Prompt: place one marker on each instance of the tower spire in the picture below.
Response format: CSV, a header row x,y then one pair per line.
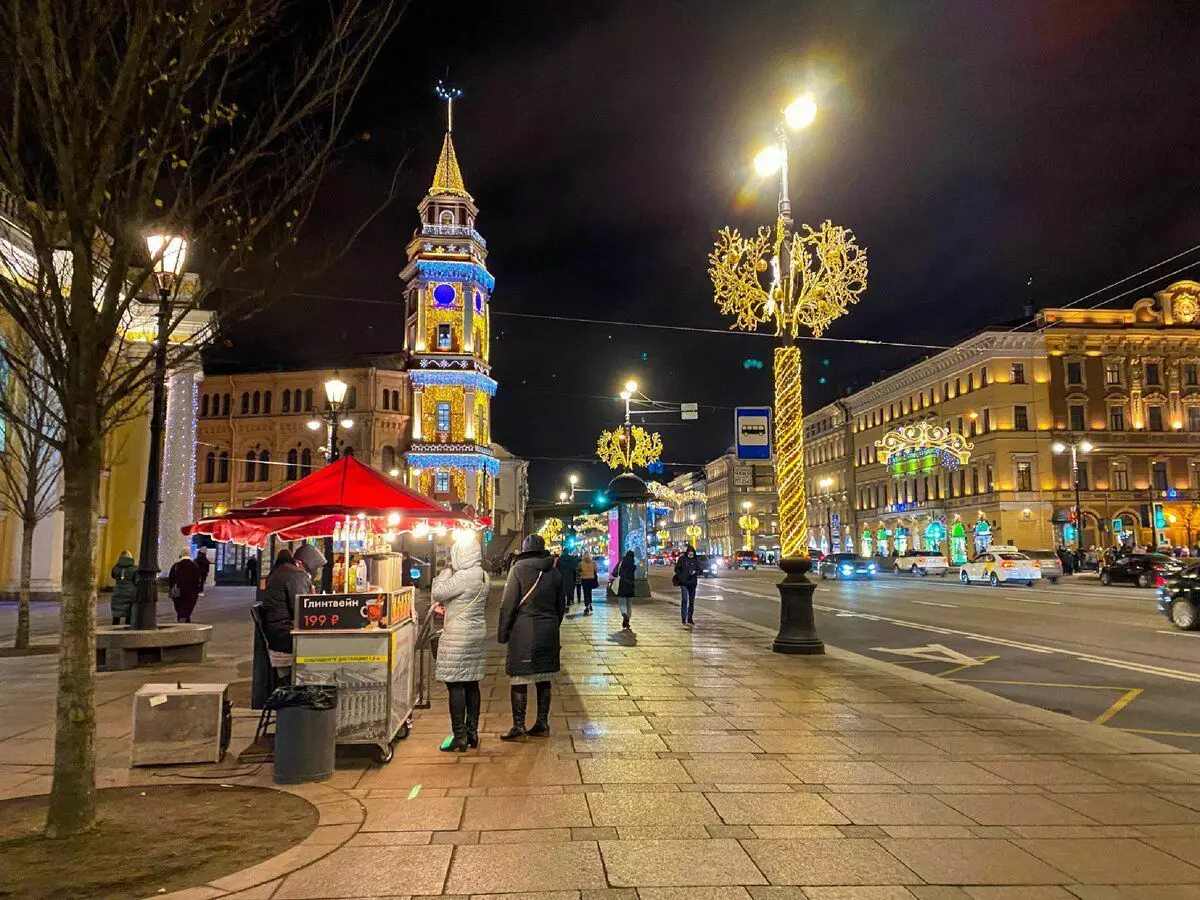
x,y
447,178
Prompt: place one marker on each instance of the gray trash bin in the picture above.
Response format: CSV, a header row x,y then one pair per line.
x,y
305,732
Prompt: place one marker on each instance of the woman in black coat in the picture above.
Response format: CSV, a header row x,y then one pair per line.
x,y
530,615
626,572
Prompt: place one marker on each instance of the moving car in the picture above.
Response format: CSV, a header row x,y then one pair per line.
x,y
743,559
1000,565
1179,598
1048,562
920,562
1142,569
708,566
845,565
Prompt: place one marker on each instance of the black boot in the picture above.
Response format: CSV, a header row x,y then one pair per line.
x,y
458,719
625,622
541,727
473,714
519,694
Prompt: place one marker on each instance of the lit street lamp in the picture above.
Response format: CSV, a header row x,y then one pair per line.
x,y
331,417
574,480
168,252
1076,449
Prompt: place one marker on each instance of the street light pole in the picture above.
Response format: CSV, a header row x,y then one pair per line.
x,y
335,395
1077,448
168,253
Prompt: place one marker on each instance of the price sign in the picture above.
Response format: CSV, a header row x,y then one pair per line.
x,y
341,612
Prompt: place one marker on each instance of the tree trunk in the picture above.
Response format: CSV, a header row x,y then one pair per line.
x,y
73,791
27,529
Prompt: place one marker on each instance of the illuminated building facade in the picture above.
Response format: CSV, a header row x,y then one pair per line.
x,y
448,291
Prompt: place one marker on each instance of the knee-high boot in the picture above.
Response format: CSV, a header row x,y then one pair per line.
x,y
473,714
542,725
519,694
458,719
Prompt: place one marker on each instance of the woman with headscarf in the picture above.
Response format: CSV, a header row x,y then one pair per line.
x,y
461,591
183,583
530,615
626,572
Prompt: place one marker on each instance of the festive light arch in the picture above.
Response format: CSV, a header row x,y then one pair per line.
x,y
919,447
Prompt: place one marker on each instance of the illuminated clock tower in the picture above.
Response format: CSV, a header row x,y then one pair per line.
x,y
448,330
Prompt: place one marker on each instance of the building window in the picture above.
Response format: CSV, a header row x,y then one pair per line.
x,y
1156,418
223,468
396,400
945,390
287,401
1191,374
970,381
387,399
1152,374
245,402
443,416
1024,476
297,403
988,479
264,466
308,398
1081,472
305,462
974,481
352,398
1020,418
1112,371
293,461
251,466
225,405
387,460
1076,414
983,377
957,386
987,421
1116,418
267,403
210,467
441,483
1193,418
257,402
204,406
1074,372
1158,476
1120,477
443,336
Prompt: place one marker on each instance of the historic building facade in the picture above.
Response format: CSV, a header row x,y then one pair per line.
x,y
1126,383
829,478
691,512
448,326
735,487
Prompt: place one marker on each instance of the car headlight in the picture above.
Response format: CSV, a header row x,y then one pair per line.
x,y
870,567
847,568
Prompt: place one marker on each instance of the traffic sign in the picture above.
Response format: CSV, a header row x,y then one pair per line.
x,y
752,432
835,522
689,411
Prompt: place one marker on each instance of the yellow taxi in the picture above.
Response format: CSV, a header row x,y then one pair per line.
x,y
999,565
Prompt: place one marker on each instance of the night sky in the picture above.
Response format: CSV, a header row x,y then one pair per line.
x,y
970,144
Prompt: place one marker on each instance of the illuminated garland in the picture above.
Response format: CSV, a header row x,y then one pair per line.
x,y
433,270
614,448
673,497
589,522
178,478
551,530
921,446
789,452
472,381
475,462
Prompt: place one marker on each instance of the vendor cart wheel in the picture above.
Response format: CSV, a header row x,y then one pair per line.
x,y
403,732
384,753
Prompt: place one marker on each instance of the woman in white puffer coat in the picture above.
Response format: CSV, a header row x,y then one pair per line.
x,y
461,591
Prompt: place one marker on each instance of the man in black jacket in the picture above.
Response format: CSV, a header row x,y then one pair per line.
x,y
285,584
687,572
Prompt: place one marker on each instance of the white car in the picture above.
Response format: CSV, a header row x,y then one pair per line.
x,y
999,565
920,562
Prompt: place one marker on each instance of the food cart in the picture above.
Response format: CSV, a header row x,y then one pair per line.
x,y
362,640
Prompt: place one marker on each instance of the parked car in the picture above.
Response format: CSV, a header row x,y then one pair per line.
x,y
1179,597
743,559
920,562
708,566
1048,562
1142,569
1000,565
846,565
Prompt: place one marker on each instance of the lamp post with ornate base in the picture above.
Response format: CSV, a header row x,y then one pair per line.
x,y
813,275
335,395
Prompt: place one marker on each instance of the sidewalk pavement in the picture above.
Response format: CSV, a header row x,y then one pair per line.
x,y
697,764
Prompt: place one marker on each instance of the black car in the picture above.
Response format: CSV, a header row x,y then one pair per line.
x,y
1142,569
706,566
846,565
1179,597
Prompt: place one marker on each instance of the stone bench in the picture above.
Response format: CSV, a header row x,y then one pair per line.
x,y
120,647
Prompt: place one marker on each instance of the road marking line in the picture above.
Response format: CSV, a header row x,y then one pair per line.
x,y
1128,697
932,653
931,603
1191,634
981,661
1046,602
1153,731
1139,667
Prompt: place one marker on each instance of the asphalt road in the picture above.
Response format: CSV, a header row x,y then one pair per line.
x,y
1101,654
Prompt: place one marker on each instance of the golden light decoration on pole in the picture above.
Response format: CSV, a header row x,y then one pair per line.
x,y
749,524
551,530
693,532
663,535
629,446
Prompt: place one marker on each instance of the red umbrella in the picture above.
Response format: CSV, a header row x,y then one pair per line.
x,y
314,506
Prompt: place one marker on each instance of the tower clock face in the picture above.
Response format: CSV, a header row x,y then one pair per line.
x,y
443,295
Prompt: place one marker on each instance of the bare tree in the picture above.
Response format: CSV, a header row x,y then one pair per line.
x,y
217,118
29,470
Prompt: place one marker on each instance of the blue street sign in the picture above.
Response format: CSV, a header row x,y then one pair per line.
x,y
836,524
752,432
655,468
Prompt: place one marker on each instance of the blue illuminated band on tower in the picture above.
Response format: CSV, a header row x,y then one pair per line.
x,y
437,270
470,380
477,462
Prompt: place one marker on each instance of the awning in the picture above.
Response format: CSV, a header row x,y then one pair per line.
x,y
316,505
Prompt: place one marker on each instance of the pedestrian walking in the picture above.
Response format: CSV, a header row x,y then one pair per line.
x,y
530,616
568,568
288,579
203,563
183,584
626,573
124,575
252,569
588,581
687,573
459,594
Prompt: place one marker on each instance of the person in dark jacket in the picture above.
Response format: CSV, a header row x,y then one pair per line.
x,y
124,575
203,564
626,572
285,583
252,569
568,568
531,612
687,572
183,584
283,556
